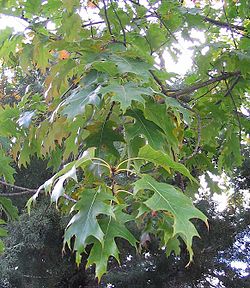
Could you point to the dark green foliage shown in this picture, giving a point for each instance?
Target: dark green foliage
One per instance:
(213, 256)
(33, 257)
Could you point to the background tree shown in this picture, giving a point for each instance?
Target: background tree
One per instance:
(107, 109)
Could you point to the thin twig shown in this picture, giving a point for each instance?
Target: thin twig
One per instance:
(209, 90)
(197, 146)
(69, 198)
(107, 19)
(224, 24)
(230, 28)
(164, 89)
(229, 92)
(25, 191)
(92, 23)
(120, 22)
(134, 2)
(17, 187)
(17, 193)
(110, 112)
(164, 24)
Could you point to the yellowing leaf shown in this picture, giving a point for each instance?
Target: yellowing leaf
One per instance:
(63, 54)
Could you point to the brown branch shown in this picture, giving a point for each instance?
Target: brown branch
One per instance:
(92, 23)
(224, 24)
(206, 19)
(110, 112)
(120, 23)
(107, 19)
(25, 191)
(230, 89)
(164, 89)
(188, 90)
(17, 187)
(199, 85)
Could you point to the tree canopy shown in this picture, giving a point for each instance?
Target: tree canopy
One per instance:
(86, 87)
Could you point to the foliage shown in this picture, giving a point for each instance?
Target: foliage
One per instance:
(213, 259)
(37, 239)
(105, 108)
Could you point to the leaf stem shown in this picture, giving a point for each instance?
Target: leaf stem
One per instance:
(135, 158)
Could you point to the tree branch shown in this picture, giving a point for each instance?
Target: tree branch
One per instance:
(224, 24)
(197, 146)
(107, 19)
(17, 187)
(25, 191)
(199, 85)
(120, 22)
(188, 90)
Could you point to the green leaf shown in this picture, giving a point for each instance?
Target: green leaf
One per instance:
(41, 53)
(125, 94)
(167, 198)
(1, 247)
(84, 223)
(3, 232)
(113, 228)
(105, 66)
(9, 209)
(156, 37)
(77, 101)
(102, 136)
(136, 66)
(72, 20)
(158, 114)
(164, 160)
(144, 127)
(70, 5)
(5, 168)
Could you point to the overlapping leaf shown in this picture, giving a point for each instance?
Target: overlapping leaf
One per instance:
(125, 94)
(167, 198)
(102, 136)
(144, 127)
(69, 171)
(9, 209)
(92, 203)
(77, 101)
(136, 66)
(158, 114)
(164, 160)
(6, 170)
(113, 228)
